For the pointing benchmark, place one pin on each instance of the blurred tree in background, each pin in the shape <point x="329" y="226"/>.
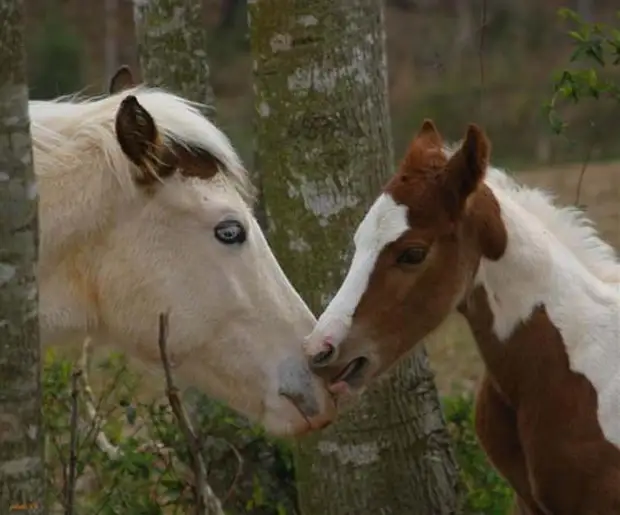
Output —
<point x="172" y="47"/>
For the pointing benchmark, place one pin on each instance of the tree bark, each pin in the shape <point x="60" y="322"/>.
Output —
<point x="22" y="480"/>
<point x="172" y="47"/>
<point x="324" y="149"/>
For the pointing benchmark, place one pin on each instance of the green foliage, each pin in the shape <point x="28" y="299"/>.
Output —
<point x="156" y="479"/>
<point x="149" y="480"/>
<point x="486" y="493"/>
<point x="596" y="48"/>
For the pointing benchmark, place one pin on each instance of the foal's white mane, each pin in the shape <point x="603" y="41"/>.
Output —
<point x="568" y="224"/>
<point x="69" y="132"/>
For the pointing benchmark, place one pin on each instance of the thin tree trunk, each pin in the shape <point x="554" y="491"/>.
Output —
<point x="22" y="480"/>
<point x="172" y="47"/>
<point x="324" y="149"/>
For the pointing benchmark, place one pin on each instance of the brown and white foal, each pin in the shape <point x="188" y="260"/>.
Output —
<point x="540" y="291"/>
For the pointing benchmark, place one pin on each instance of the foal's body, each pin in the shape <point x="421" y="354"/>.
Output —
<point x="547" y="327"/>
<point x="540" y="291"/>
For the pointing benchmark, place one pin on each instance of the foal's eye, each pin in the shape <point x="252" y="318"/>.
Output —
<point x="412" y="256"/>
<point x="230" y="231"/>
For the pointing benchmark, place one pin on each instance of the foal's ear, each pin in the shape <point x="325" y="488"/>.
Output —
<point x="429" y="133"/>
<point x="121" y="80"/>
<point x="467" y="167"/>
<point x="139" y="139"/>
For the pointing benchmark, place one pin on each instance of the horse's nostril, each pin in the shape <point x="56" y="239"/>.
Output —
<point x="322" y="358"/>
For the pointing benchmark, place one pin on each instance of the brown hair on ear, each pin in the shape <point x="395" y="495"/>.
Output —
<point x="121" y="80"/>
<point x="467" y="167"/>
<point x="139" y="139"/>
<point x="196" y="162"/>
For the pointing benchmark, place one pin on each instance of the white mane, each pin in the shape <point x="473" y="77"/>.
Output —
<point x="70" y="130"/>
<point x="569" y="224"/>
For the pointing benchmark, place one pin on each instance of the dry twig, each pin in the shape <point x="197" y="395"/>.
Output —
<point x="235" y="480"/>
<point x="206" y="500"/>
<point x="584" y="167"/>
<point x="73" y="431"/>
<point x="101" y="439"/>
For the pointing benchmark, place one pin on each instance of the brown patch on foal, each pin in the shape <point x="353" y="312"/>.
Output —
<point x="553" y="410"/>
<point x="142" y="143"/>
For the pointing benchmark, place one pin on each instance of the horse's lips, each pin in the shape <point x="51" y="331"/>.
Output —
<point x="349" y="376"/>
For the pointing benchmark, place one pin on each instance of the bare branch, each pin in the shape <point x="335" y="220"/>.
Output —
<point x="584" y="165"/>
<point x="206" y="500"/>
<point x="73" y="431"/>
<point x="238" y="473"/>
<point x="101" y="439"/>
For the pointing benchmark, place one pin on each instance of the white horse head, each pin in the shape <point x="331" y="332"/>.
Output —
<point x="145" y="208"/>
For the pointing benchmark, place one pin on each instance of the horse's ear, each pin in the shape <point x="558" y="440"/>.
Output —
<point x="467" y="167"/>
<point x="429" y="133"/>
<point x="136" y="131"/>
<point x="139" y="139"/>
<point x="123" y="79"/>
<point x="141" y="142"/>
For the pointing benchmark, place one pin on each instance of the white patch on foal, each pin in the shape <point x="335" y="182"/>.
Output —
<point x="555" y="259"/>
<point x="384" y="223"/>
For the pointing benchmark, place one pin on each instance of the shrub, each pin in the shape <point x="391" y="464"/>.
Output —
<point x="248" y="471"/>
<point x="486" y="493"/>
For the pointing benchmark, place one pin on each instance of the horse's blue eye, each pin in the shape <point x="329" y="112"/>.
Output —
<point x="230" y="231"/>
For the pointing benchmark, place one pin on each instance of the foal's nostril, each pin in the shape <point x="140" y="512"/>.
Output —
<point x="325" y="356"/>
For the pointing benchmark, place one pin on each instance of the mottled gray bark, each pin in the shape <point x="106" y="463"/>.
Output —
<point x="21" y="441"/>
<point x="172" y="47"/>
<point x="324" y="149"/>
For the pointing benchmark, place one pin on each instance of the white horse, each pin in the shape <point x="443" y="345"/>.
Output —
<point x="145" y="208"/>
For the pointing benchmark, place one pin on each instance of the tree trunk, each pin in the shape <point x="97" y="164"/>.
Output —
<point x="324" y="149"/>
<point x="22" y="478"/>
<point x="172" y="47"/>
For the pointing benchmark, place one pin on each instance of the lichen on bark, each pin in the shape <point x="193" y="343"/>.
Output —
<point x="21" y="440"/>
<point x="324" y="149"/>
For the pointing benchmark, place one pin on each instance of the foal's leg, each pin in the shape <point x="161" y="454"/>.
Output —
<point x="496" y="427"/>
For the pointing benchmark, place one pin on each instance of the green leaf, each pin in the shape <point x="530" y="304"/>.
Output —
<point x="577" y="35"/>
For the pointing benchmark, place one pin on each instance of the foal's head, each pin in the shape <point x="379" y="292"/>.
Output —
<point x="160" y="225"/>
<point x="416" y="254"/>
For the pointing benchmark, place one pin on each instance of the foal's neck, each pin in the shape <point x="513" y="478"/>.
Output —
<point x="537" y="312"/>
<point x="536" y="269"/>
